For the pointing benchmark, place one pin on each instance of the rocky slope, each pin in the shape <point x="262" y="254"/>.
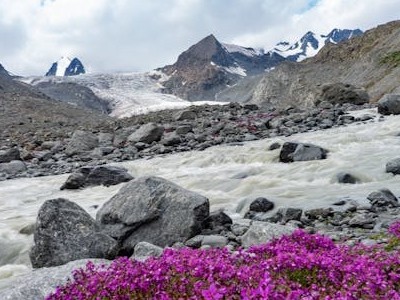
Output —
<point x="27" y="114"/>
<point x="370" y="61"/>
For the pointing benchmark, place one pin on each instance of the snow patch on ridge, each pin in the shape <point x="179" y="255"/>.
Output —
<point x="62" y="65"/>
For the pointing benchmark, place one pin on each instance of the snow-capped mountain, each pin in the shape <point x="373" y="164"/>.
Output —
<point x="66" y="67"/>
<point x="310" y="44"/>
<point x="209" y="67"/>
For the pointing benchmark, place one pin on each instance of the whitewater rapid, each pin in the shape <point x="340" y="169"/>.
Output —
<point x="229" y="175"/>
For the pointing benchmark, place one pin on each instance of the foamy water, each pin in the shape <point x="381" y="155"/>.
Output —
<point x="228" y="175"/>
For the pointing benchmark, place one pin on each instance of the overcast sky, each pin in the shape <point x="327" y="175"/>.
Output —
<point x="140" y="35"/>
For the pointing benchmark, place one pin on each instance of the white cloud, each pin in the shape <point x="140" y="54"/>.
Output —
<point x="129" y="35"/>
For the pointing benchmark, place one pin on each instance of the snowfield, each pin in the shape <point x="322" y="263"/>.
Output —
<point x="128" y="93"/>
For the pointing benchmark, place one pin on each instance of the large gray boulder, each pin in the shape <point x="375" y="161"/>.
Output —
<point x="389" y="104"/>
<point x="98" y="175"/>
<point x="263" y="232"/>
<point x="41" y="282"/>
<point x="340" y="93"/>
<point x="9" y="155"/>
<point x="147" y="133"/>
<point x="80" y="142"/>
<point x="393" y="166"/>
<point x="153" y="210"/>
<point x="292" y="151"/>
<point x="12" y="167"/>
<point x="383" y="198"/>
<point x="65" y="232"/>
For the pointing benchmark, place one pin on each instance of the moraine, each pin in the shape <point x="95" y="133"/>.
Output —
<point x="228" y="175"/>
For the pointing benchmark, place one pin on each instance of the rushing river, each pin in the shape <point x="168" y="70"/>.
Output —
<point x="230" y="176"/>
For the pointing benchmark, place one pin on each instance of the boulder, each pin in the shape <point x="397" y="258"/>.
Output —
<point x="144" y="250"/>
<point x="274" y="146"/>
<point x="362" y="221"/>
<point x="389" y="104"/>
<point x="319" y="213"/>
<point x="9" y="155"/>
<point x="393" y="166"/>
<point x="263" y="232"/>
<point x="258" y="207"/>
<point x="383" y="198"/>
<point x="185" y="115"/>
<point x="80" y="142"/>
<point x="214" y="241"/>
<point x="343" y="177"/>
<point x="98" y="175"/>
<point x="292" y="152"/>
<point x="65" y="232"/>
<point x="217" y="221"/>
<point x="287" y="214"/>
<point x="13" y="167"/>
<point x="184" y="129"/>
<point x="154" y="210"/>
<point x="147" y="133"/>
<point x="340" y="93"/>
<point x="38" y="284"/>
<point x="261" y="204"/>
<point x="171" y="139"/>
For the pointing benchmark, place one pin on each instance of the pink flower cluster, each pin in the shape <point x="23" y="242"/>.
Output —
<point x="395" y="229"/>
<point x="299" y="266"/>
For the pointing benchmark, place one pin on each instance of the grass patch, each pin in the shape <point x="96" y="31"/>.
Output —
<point x="392" y="59"/>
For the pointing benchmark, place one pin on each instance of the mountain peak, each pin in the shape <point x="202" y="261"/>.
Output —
<point x="66" y="67"/>
<point x="311" y="43"/>
<point x="207" y="50"/>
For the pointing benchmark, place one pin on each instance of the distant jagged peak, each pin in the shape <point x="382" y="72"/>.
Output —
<point x="66" y="66"/>
<point x="310" y="43"/>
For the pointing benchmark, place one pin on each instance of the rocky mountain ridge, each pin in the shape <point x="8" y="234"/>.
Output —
<point x="311" y="43"/>
<point x="209" y="67"/>
<point x="370" y="61"/>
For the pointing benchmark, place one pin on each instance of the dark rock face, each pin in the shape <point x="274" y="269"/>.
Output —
<point x="10" y="155"/>
<point x="99" y="175"/>
<point x="153" y="210"/>
<point x="383" y="198"/>
<point x="75" y="68"/>
<point x="393" y="166"/>
<point x="81" y="141"/>
<point x="292" y="152"/>
<point x="339" y="93"/>
<point x="65" y="232"/>
<point x="147" y="133"/>
<point x="389" y="104"/>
